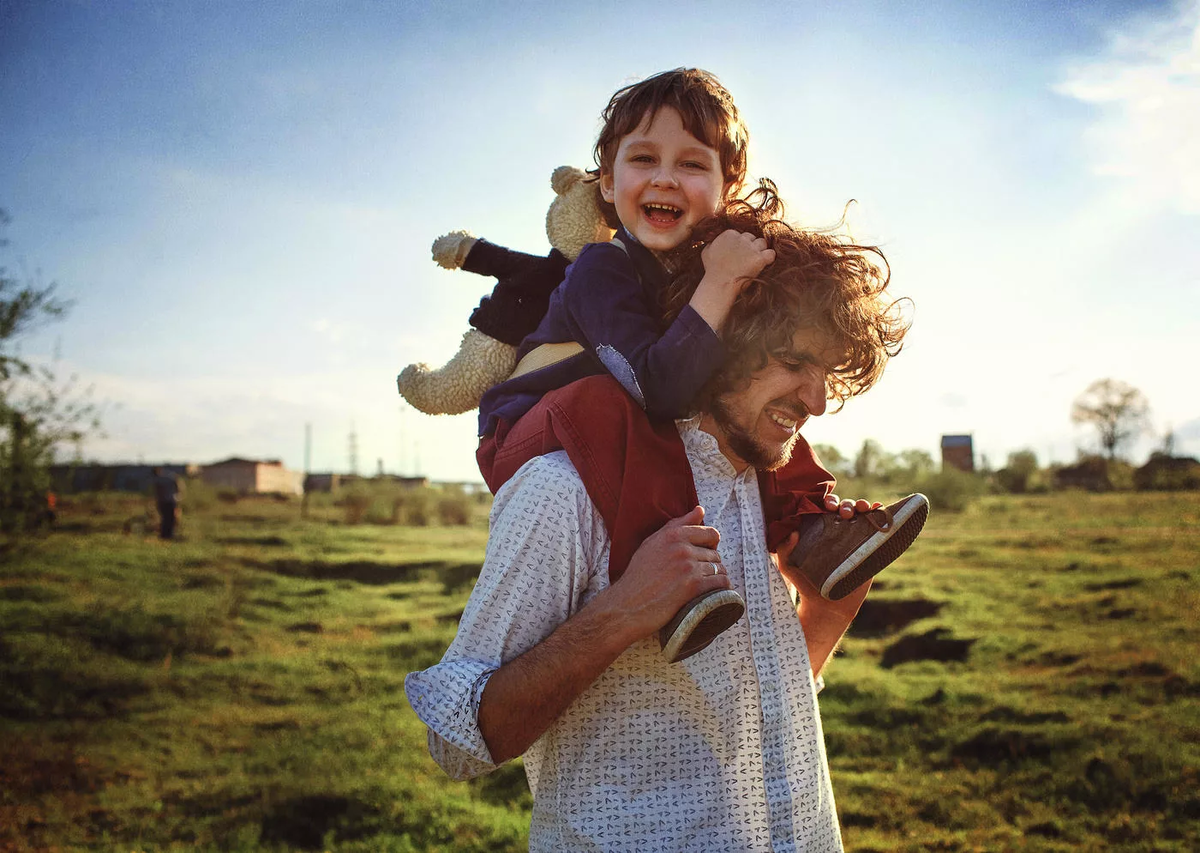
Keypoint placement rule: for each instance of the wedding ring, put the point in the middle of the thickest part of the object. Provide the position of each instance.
(716, 571)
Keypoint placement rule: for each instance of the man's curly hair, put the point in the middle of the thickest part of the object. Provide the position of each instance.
(819, 280)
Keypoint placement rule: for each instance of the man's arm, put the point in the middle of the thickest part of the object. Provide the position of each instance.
(824, 622)
(524, 697)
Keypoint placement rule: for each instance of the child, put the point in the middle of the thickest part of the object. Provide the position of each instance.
(672, 151)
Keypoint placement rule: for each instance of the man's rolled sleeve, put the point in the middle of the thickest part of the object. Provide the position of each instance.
(537, 571)
(446, 699)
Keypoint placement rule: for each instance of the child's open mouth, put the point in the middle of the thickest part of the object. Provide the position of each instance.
(663, 214)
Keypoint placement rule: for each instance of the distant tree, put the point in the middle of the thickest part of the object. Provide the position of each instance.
(23, 307)
(1018, 474)
(38, 412)
(833, 460)
(911, 465)
(1168, 444)
(872, 460)
(1118, 411)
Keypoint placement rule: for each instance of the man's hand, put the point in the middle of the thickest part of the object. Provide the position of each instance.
(848, 508)
(730, 261)
(527, 694)
(671, 567)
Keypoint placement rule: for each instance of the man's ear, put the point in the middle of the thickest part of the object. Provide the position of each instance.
(606, 186)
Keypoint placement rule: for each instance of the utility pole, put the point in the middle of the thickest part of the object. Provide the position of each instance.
(353, 451)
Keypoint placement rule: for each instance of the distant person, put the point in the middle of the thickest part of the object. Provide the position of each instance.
(50, 514)
(167, 490)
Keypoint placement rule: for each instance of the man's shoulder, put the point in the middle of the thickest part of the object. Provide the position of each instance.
(545, 476)
(547, 497)
(546, 490)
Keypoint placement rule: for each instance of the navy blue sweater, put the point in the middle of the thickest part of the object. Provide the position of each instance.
(609, 304)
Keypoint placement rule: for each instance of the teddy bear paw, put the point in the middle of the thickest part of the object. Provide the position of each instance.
(450, 250)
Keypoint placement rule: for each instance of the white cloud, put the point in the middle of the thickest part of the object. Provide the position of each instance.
(1147, 90)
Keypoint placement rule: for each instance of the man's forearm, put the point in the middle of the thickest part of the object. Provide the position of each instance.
(825, 623)
(525, 696)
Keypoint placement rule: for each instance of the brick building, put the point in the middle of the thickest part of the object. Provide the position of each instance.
(958, 452)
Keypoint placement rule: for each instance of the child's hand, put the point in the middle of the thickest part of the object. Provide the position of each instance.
(848, 508)
(730, 261)
(735, 257)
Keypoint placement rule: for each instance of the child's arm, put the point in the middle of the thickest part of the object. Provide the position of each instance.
(730, 261)
(607, 309)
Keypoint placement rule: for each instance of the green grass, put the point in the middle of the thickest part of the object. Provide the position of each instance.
(1025, 678)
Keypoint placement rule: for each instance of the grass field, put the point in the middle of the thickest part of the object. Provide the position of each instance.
(1026, 678)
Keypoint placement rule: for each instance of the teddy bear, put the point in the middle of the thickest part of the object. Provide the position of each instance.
(517, 303)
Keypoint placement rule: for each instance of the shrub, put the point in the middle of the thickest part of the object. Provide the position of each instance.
(951, 489)
(1095, 474)
(356, 504)
(1167, 473)
(454, 509)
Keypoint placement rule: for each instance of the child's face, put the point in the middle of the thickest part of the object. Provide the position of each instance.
(663, 181)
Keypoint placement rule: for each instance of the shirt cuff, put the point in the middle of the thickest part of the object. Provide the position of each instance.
(446, 699)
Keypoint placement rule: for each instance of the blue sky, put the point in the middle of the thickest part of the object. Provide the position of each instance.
(241, 198)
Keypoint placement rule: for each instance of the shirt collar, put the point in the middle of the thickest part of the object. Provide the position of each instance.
(703, 450)
(652, 273)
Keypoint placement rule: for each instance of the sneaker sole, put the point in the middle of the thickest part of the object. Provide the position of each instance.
(878, 552)
(701, 621)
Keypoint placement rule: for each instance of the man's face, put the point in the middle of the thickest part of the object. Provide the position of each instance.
(758, 425)
(663, 181)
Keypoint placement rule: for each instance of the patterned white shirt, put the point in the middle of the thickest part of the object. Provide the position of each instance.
(722, 752)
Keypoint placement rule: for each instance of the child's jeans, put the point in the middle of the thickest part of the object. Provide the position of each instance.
(636, 471)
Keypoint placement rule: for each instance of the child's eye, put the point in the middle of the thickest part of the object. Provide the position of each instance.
(642, 158)
(694, 164)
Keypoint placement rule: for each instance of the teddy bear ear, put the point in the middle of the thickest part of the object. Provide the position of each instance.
(565, 177)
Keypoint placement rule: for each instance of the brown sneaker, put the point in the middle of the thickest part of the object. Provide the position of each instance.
(699, 622)
(837, 555)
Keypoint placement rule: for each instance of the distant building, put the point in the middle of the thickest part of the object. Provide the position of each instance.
(327, 482)
(253, 477)
(119, 477)
(958, 451)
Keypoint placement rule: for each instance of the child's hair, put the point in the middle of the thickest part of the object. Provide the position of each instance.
(707, 110)
(819, 280)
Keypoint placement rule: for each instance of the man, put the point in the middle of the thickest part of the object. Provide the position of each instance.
(166, 498)
(624, 750)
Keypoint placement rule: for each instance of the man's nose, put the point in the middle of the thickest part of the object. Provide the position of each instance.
(813, 390)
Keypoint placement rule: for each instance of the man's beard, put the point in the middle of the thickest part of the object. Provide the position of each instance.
(748, 448)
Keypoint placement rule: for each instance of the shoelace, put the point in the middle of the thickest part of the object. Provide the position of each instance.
(882, 527)
(887, 515)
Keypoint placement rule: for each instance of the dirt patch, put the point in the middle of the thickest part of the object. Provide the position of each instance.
(935, 645)
(880, 618)
(256, 541)
(993, 746)
(453, 575)
(303, 822)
